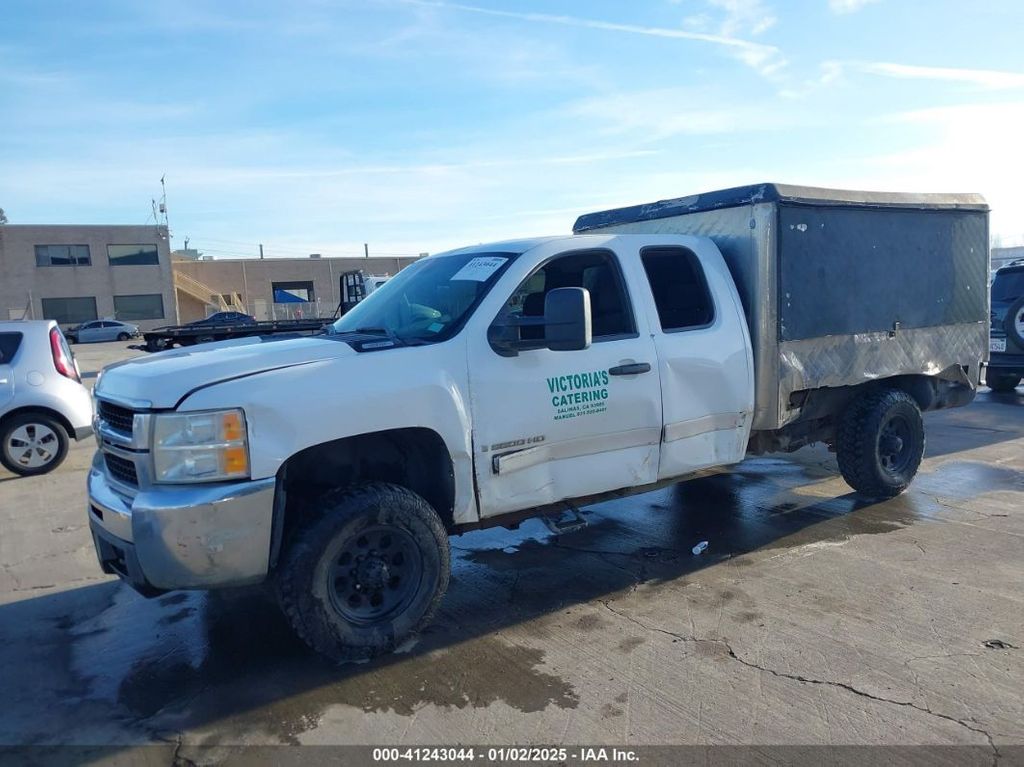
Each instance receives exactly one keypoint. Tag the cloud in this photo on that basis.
(649, 116)
(747, 17)
(761, 57)
(848, 6)
(989, 79)
(983, 78)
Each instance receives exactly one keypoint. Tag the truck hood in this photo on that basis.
(162, 380)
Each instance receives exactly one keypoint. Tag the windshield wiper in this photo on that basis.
(392, 335)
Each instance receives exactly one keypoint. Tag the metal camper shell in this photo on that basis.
(840, 287)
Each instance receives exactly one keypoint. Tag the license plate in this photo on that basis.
(997, 344)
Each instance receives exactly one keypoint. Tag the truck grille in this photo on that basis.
(116, 417)
(121, 469)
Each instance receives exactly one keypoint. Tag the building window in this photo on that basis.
(293, 292)
(70, 311)
(62, 255)
(132, 255)
(141, 307)
(679, 288)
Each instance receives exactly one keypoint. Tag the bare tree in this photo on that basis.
(3, 216)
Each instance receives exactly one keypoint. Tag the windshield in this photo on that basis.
(1008, 285)
(428, 300)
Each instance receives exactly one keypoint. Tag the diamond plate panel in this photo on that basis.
(854, 359)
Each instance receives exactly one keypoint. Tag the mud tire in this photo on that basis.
(880, 443)
(306, 581)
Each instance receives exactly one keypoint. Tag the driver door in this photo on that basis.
(549, 425)
(89, 332)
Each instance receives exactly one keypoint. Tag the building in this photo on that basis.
(75, 273)
(269, 288)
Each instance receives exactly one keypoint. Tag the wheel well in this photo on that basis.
(38, 409)
(415, 458)
(821, 409)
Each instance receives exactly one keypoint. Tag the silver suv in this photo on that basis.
(42, 401)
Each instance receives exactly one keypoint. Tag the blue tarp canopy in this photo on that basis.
(282, 296)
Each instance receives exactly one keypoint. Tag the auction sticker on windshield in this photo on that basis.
(480, 268)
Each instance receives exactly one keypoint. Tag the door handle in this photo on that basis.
(630, 370)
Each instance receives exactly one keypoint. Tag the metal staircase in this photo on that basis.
(207, 295)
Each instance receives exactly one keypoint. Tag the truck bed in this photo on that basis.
(840, 287)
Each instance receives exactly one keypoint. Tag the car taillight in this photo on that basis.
(61, 359)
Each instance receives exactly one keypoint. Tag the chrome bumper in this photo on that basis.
(182, 537)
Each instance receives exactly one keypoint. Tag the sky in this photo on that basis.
(421, 125)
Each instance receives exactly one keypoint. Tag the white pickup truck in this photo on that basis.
(488, 384)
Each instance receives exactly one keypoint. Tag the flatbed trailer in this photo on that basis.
(354, 286)
(187, 335)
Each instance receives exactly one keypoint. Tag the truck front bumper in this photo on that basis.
(182, 536)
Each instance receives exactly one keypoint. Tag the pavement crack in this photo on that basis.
(808, 680)
(177, 759)
(646, 627)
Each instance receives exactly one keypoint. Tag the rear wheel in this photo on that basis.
(367, 572)
(880, 443)
(1002, 382)
(32, 443)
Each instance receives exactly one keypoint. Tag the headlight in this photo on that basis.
(200, 447)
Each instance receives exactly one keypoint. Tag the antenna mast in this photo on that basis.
(163, 206)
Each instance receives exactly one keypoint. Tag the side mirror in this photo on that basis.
(567, 320)
(566, 324)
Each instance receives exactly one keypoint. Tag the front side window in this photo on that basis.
(140, 307)
(62, 255)
(69, 311)
(598, 272)
(680, 291)
(429, 300)
(132, 255)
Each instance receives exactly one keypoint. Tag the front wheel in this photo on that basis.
(32, 443)
(123, 336)
(880, 443)
(1002, 382)
(366, 572)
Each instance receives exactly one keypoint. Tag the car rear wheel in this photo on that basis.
(32, 443)
(365, 573)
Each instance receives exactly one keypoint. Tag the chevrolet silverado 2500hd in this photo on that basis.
(487, 384)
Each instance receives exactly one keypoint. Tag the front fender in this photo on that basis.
(291, 409)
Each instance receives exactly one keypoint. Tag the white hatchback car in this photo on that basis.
(42, 400)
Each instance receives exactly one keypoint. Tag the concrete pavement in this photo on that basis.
(813, 618)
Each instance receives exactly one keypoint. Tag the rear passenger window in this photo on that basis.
(680, 290)
(9, 343)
